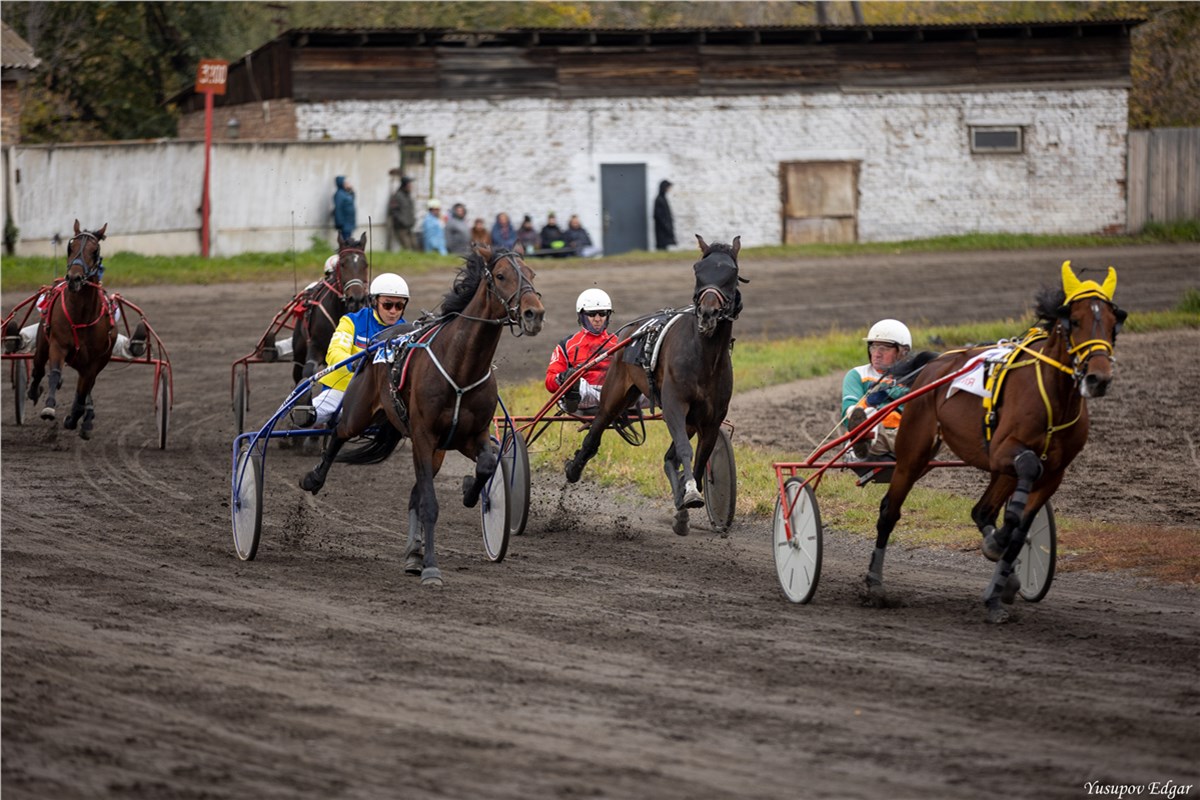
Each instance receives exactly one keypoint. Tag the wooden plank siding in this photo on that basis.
(316, 66)
(1163, 181)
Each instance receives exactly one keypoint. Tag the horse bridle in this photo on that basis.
(1082, 353)
(89, 272)
(512, 303)
(342, 287)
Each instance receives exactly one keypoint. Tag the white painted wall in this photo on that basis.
(918, 177)
(265, 196)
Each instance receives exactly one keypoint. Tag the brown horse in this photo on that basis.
(1037, 424)
(77, 328)
(440, 393)
(692, 380)
(344, 293)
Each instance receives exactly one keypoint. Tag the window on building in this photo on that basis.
(997, 139)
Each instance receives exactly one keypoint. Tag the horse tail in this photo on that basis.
(380, 444)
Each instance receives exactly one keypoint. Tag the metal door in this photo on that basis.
(623, 207)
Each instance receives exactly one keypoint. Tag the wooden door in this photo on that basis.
(820, 201)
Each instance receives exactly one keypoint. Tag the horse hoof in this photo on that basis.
(468, 500)
(573, 472)
(68, 422)
(311, 483)
(414, 564)
(991, 546)
(680, 525)
(1012, 585)
(432, 576)
(48, 413)
(998, 616)
(85, 433)
(693, 499)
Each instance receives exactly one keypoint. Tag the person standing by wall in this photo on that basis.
(434, 229)
(402, 215)
(344, 216)
(664, 221)
(458, 232)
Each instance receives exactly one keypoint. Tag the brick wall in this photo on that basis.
(10, 113)
(273, 120)
(918, 177)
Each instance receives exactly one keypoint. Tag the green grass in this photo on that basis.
(930, 515)
(131, 269)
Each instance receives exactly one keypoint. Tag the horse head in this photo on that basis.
(352, 272)
(510, 283)
(84, 263)
(1089, 321)
(716, 297)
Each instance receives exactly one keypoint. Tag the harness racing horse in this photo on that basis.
(440, 392)
(1038, 423)
(77, 328)
(328, 301)
(692, 380)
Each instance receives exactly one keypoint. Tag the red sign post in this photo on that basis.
(210, 80)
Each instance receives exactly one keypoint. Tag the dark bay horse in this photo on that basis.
(440, 392)
(78, 329)
(1037, 425)
(691, 381)
(344, 293)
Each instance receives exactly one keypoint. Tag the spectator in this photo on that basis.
(344, 216)
(664, 221)
(480, 234)
(527, 237)
(402, 215)
(434, 229)
(576, 239)
(551, 235)
(504, 236)
(458, 234)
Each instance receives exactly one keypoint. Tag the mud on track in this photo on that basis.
(605, 657)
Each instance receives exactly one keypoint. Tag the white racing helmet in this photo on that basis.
(330, 264)
(890, 330)
(593, 300)
(391, 284)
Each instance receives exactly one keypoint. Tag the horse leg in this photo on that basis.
(355, 418)
(89, 419)
(673, 468)
(990, 502)
(675, 415)
(485, 466)
(41, 355)
(53, 381)
(414, 549)
(1028, 468)
(1003, 587)
(910, 465)
(314, 480)
(427, 461)
(611, 404)
(80, 408)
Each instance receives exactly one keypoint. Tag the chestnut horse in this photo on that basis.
(440, 392)
(1036, 425)
(345, 293)
(77, 329)
(692, 380)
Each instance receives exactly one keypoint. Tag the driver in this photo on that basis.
(385, 308)
(594, 307)
(865, 388)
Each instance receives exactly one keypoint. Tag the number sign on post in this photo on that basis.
(210, 80)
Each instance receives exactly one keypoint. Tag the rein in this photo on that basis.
(105, 311)
(511, 304)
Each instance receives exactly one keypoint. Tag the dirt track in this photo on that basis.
(605, 657)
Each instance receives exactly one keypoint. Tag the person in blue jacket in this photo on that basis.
(344, 215)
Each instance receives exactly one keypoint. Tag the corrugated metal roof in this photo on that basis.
(15, 52)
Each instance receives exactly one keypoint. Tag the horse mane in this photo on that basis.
(905, 372)
(721, 247)
(1047, 303)
(467, 281)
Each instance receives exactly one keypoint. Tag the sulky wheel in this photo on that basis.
(246, 504)
(720, 484)
(241, 401)
(494, 511)
(162, 409)
(519, 485)
(1035, 565)
(20, 382)
(798, 561)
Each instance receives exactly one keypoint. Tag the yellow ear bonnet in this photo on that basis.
(1076, 289)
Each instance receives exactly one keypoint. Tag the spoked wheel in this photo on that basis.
(494, 510)
(241, 402)
(519, 486)
(1035, 564)
(20, 383)
(246, 504)
(162, 406)
(720, 484)
(798, 562)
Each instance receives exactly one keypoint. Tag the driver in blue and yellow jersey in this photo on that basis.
(865, 388)
(595, 309)
(389, 297)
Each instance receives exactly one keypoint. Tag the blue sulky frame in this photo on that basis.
(250, 452)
